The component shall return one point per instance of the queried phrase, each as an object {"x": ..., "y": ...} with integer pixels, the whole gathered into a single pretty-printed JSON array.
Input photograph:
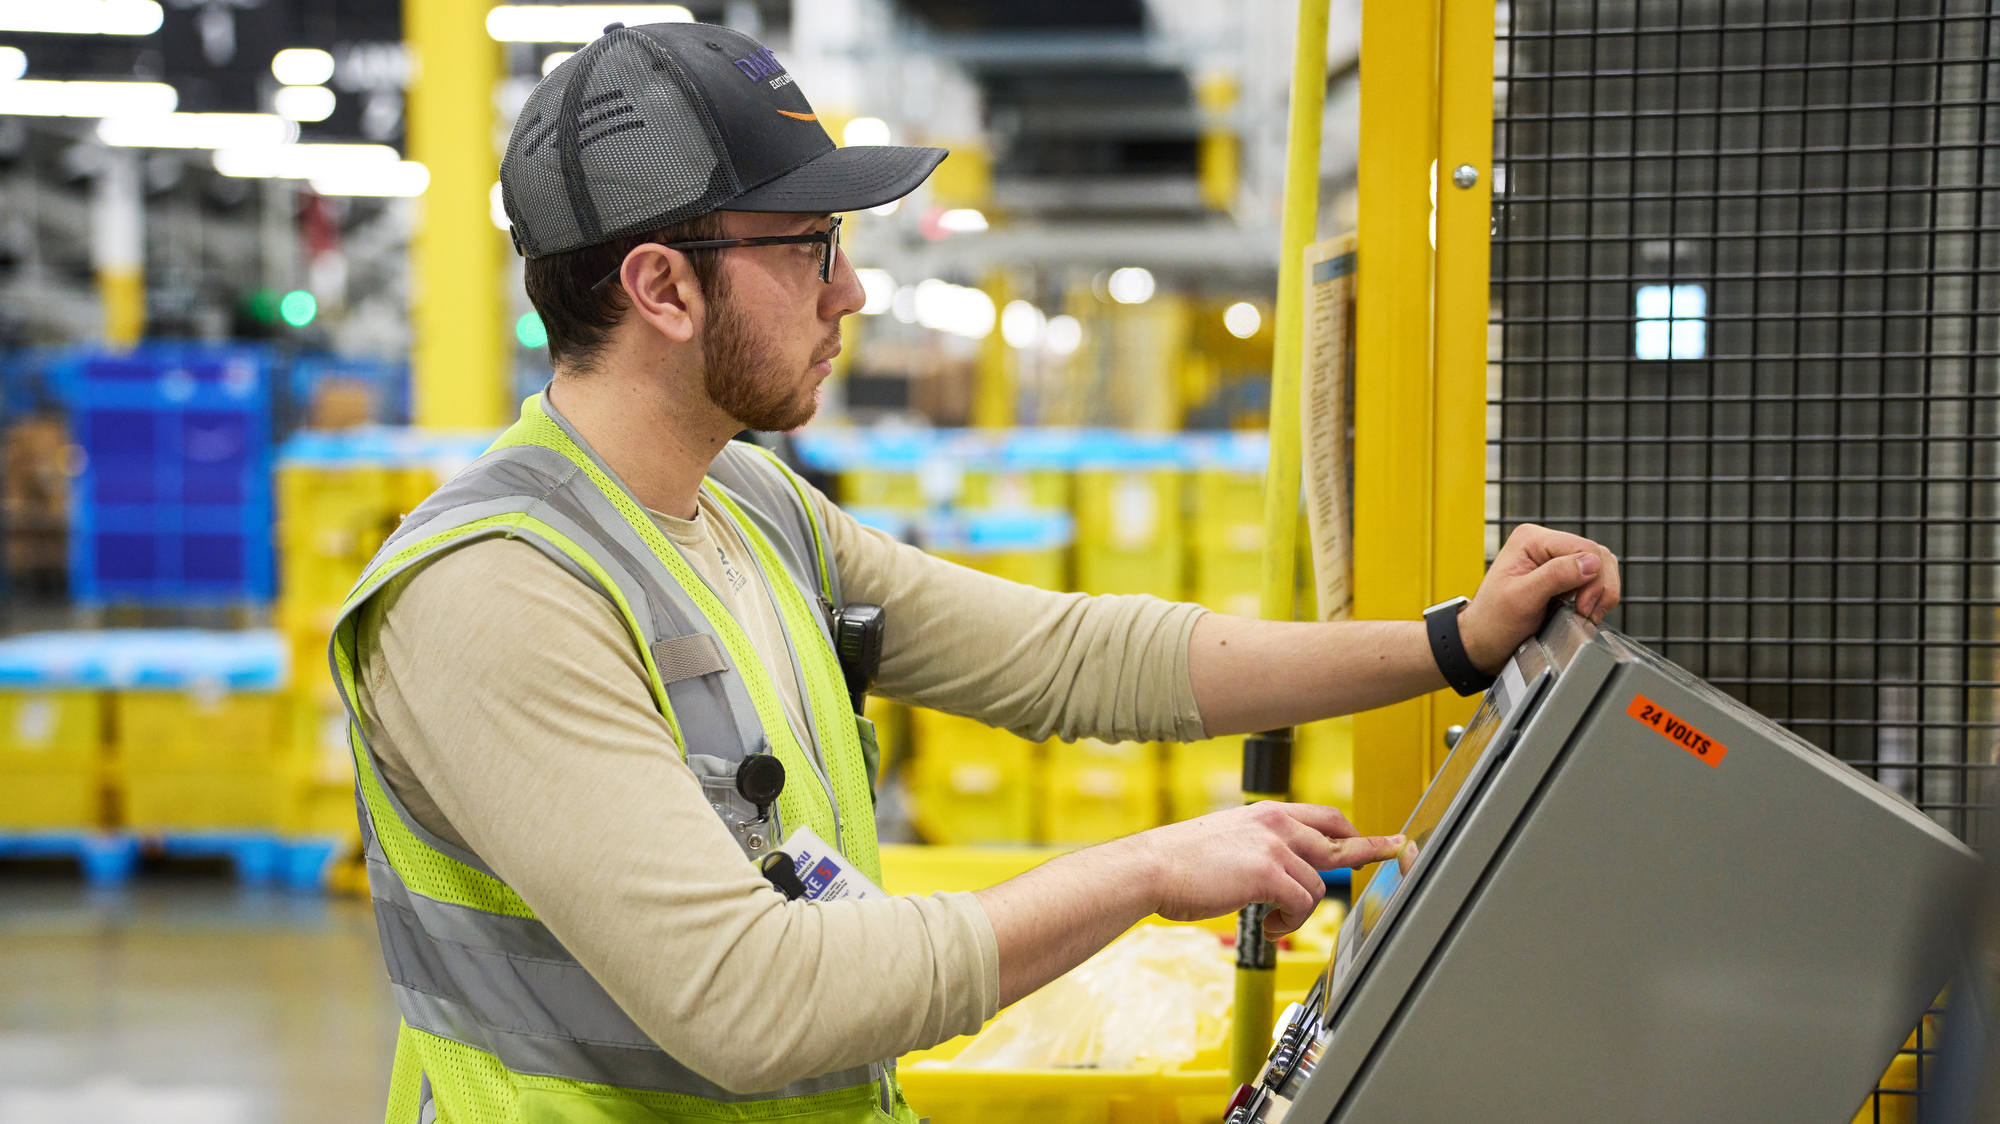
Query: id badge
[{"x": 826, "y": 873}]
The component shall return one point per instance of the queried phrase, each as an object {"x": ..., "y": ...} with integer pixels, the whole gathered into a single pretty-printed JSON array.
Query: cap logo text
[{"x": 760, "y": 65}]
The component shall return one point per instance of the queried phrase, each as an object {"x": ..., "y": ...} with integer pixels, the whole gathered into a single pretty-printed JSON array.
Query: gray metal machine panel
[{"x": 1619, "y": 931}]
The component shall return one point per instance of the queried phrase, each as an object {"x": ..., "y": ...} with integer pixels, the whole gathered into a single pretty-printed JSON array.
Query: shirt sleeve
[
  {"x": 1029, "y": 660},
  {"x": 510, "y": 704}
]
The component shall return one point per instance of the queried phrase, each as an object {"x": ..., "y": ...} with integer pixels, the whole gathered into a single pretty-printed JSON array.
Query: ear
[{"x": 663, "y": 290}]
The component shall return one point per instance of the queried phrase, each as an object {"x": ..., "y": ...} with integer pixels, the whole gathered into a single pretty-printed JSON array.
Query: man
[{"x": 563, "y": 665}]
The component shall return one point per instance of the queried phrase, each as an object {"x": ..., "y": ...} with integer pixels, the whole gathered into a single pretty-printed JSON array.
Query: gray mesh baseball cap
[{"x": 650, "y": 126}]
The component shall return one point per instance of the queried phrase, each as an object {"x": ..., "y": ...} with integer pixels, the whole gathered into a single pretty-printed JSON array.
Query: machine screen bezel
[{"x": 1502, "y": 712}]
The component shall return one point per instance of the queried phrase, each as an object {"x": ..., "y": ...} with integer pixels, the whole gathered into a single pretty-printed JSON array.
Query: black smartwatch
[{"x": 1448, "y": 649}]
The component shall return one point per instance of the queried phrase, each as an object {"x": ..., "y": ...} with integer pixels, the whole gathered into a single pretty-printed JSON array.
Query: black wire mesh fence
[{"x": 1746, "y": 299}]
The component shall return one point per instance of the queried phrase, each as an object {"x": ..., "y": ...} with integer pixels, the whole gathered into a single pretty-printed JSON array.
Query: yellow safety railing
[{"x": 1426, "y": 174}]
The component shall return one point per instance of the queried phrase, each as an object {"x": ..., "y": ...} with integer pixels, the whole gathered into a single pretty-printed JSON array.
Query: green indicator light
[
  {"x": 298, "y": 308},
  {"x": 529, "y": 330},
  {"x": 262, "y": 305}
]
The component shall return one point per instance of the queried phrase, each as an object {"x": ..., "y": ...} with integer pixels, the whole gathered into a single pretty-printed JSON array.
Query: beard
[{"x": 746, "y": 375}]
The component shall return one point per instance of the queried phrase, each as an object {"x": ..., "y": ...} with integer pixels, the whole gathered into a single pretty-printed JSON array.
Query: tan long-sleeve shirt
[{"x": 512, "y": 715}]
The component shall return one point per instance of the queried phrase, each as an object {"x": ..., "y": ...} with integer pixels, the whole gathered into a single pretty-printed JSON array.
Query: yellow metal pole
[
  {"x": 1256, "y": 959},
  {"x": 1461, "y": 302},
  {"x": 459, "y": 360},
  {"x": 1420, "y": 356},
  {"x": 118, "y": 246},
  {"x": 1393, "y": 409},
  {"x": 1281, "y": 481},
  {"x": 993, "y": 383}
]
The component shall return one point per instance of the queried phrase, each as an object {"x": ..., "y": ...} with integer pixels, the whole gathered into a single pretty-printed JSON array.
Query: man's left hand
[{"x": 1535, "y": 567}]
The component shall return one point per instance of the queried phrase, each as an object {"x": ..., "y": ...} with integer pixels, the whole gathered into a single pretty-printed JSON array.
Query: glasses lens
[{"x": 828, "y": 251}]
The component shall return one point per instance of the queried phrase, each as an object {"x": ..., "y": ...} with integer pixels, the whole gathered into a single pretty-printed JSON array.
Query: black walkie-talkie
[{"x": 857, "y": 640}]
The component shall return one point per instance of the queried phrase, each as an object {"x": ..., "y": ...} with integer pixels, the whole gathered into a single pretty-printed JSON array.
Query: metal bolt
[
  {"x": 756, "y": 842},
  {"x": 1465, "y": 175}
]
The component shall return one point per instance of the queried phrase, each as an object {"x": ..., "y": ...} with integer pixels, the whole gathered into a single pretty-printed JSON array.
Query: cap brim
[{"x": 845, "y": 179}]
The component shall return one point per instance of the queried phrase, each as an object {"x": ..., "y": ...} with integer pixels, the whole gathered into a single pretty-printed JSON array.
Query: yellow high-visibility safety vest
[{"x": 499, "y": 1023}]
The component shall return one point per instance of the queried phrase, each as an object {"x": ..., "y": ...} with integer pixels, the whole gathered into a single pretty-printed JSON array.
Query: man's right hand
[
  {"x": 1263, "y": 852},
  {"x": 1055, "y": 916}
]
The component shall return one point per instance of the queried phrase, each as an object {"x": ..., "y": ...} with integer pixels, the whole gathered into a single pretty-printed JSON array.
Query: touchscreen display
[{"x": 1459, "y": 766}]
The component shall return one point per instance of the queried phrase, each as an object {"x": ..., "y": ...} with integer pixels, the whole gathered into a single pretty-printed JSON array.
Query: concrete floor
[{"x": 187, "y": 1000}]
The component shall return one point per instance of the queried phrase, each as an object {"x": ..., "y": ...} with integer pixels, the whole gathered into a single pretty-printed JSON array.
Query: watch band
[{"x": 1448, "y": 648}]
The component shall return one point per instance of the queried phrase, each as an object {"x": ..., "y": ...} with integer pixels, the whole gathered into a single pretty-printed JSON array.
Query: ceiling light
[
  {"x": 573, "y": 23},
  {"x": 302, "y": 161},
  {"x": 37, "y": 97},
  {"x": 1063, "y": 335},
  {"x": 81, "y": 17},
  {"x": 196, "y": 130},
  {"x": 1022, "y": 324},
  {"x": 302, "y": 66},
  {"x": 963, "y": 220},
  {"x": 888, "y": 208},
  {"x": 905, "y": 304},
  {"x": 865, "y": 130},
  {"x": 1242, "y": 319},
  {"x": 405, "y": 178},
  {"x": 1130, "y": 285},
  {"x": 13, "y": 63},
  {"x": 496, "y": 209},
  {"x": 303, "y": 103},
  {"x": 881, "y": 290},
  {"x": 554, "y": 59},
  {"x": 962, "y": 311}
]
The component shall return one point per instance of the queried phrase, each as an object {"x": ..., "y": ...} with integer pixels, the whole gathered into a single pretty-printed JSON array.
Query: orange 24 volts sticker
[{"x": 1676, "y": 730}]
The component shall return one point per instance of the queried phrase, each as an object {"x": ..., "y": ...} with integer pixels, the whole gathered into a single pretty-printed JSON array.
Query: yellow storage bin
[
  {"x": 180, "y": 799},
  {"x": 970, "y": 783},
  {"x": 319, "y": 809},
  {"x": 330, "y": 522},
  {"x": 1195, "y": 1092},
  {"x": 1227, "y": 582},
  {"x": 1204, "y": 777},
  {"x": 33, "y": 800},
  {"x": 409, "y": 487},
  {"x": 892, "y": 732},
  {"x": 1043, "y": 569},
  {"x": 183, "y": 730},
  {"x": 317, "y": 793},
  {"x": 1227, "y": 508},
  {"x": 312, "y": 675},
  {"x": 50, "y": 731},
  {"x": 1097, "y": 790},
  {"x": 1128, "y": 537},
  {"x": 1323, "y": 763},
  {"x": 1062, "y": 1096},
  {"x": 915, "y": 868},
  {"x": 867, "y": 487}
]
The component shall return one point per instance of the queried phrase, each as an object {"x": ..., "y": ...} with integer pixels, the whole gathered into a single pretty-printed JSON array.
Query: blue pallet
[
  {"x": 173, "y": 505},
  {"x": 109, "y": 860},
  {"x": 157, "y": 659},
  {"x": 260, "y": 858},
  {"x": 106, "y": 860}
]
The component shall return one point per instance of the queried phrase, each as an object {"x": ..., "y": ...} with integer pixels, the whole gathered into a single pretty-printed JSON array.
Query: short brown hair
[{"x": 579, "y": 321}]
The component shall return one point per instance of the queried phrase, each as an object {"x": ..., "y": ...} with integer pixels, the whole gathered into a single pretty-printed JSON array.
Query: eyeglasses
[{"x": 827, "y": 240}]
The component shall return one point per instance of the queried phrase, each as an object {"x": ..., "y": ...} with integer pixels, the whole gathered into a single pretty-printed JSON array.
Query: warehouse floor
[{"x": 187, "y": 1000}]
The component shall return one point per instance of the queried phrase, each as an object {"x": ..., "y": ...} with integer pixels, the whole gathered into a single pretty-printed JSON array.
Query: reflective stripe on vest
[{"x": 476, "y": 975}]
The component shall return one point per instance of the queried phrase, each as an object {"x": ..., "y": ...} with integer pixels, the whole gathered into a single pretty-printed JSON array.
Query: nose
[{"x": 843, "y": 296}]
